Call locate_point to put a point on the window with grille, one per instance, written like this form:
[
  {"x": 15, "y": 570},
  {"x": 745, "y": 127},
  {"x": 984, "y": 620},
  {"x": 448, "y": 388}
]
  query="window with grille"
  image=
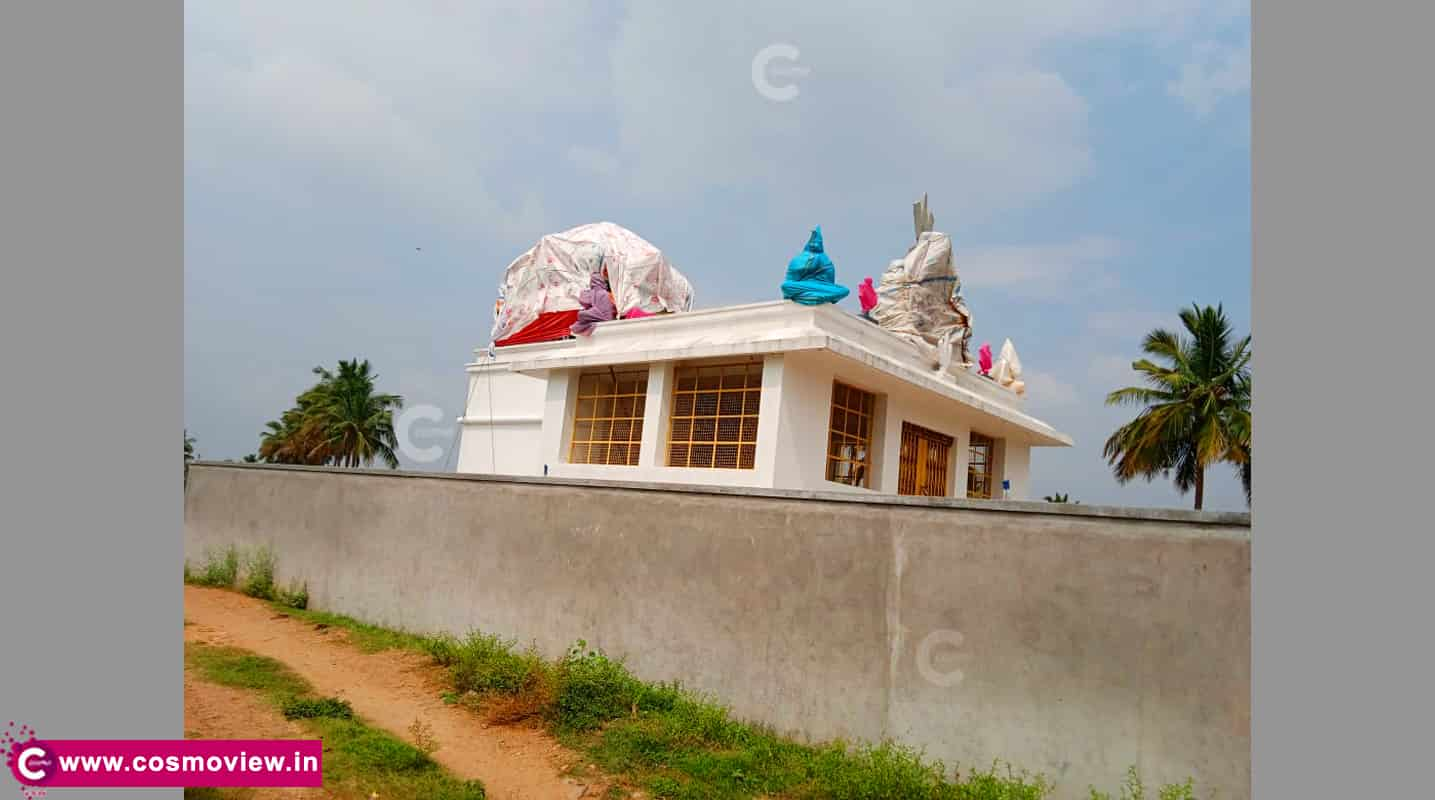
[
  {"x": 922, "y": 462},
  {"x": 849, "y": 436},
  {"x": 979, "y": 467},
  {"x": 714, "y": 419},
  {"x": 608, "y": 418}
]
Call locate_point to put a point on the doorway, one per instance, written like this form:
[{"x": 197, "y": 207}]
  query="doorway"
[{"x": 924, "y": 458}]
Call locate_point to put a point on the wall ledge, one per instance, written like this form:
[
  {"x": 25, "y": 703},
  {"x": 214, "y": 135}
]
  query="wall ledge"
[{"x": 1237, "y": 519}]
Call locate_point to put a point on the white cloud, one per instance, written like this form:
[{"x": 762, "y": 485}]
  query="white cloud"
[
  {"x": 1046, "y": 272},
  {"x": 1215, "y": 73}
]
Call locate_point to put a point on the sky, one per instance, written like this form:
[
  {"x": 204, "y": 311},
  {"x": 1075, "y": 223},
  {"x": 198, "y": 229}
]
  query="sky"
[{"x": 358, "y": 175}]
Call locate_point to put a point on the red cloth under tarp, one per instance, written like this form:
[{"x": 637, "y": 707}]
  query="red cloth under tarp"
[{"x": 549, "y": 326}]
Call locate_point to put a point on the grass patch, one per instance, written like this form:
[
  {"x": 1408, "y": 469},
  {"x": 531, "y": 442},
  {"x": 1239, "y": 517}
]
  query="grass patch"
[
  {"x": 241, "y": 669},
  {"x": 359, "y": 760},
  {"x": 366, "y": 637},
  {"x": 316, "y": 708}
]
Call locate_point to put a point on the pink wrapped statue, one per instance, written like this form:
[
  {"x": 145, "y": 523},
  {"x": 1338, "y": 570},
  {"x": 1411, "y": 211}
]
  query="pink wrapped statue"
[
  {"x": 984, "y": 358},
  {"x": 867, "y": 295}
]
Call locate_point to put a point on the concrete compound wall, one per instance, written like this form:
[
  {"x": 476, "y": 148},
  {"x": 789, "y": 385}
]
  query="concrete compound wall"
[{"x": 1072, "y": 641}]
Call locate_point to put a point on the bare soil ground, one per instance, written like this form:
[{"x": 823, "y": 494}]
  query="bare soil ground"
[{"x": 390, "y": 689}]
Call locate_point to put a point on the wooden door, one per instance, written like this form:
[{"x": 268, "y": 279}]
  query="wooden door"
[{"x": 925, "y": 454}]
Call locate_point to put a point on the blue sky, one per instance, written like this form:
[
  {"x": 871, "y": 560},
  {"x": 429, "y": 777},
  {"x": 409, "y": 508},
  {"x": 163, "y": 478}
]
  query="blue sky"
[{"x": 1090, "y": 158}]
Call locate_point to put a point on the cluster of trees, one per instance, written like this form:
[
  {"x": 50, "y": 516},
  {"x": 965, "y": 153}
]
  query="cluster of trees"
[
  {"x": 342, "y": 420},
  {"x": 1197, "y": 406}
]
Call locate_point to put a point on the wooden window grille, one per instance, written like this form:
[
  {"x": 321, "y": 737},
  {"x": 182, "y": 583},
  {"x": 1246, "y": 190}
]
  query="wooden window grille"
[
  {"x": 922, "y": 468},
  {"x": 608, "y": 419},
  {"x": 979, "y": 467},
  {"x": 714, "y": 419},
  {"x": 849, "y": 436}
]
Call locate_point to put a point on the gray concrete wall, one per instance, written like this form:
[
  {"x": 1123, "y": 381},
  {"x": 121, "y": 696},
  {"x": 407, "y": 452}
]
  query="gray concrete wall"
[{"x": 1073, "y": 641}]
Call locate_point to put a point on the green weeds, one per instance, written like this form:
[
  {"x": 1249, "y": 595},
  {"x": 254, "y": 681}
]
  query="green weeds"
[
  {"x": 368, "y": 638},
  {"x": 220, "y": 569},
  {"x": 662, "y": 737},
  {"x": 1133, "y": 788},
  {"x": 316, "y": 708},
  {"x": 252, "y": 573},
  {"x": 359, "y": 760}
]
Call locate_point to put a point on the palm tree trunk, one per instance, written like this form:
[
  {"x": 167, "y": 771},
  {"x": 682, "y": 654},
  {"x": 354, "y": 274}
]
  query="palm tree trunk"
[{"x": 1200, "y": 486}]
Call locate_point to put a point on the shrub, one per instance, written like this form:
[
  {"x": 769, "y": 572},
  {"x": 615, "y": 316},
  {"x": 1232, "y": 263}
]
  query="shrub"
[
  {"x": 259, "y": 573},
  {"x": 295, "y": 596},
  {"x": 593, "y": 688},
  {"x": 513, "y": 685},
  {"x": 317, "y": 707},
  {"x": 485, "y": 663},
  {"x": 221, "y": 568}
]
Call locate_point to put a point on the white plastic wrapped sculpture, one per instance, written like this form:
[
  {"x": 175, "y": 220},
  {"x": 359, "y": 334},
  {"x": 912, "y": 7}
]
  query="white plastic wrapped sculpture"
[
  {"x": 919, "y": 297},
  {"x": 552, "y": 274},
  {"x": 1007, "y": 371}
]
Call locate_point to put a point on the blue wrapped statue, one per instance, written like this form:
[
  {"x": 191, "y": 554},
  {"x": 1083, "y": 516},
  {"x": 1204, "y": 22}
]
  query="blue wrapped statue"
[{"x": 811, "y": 278}]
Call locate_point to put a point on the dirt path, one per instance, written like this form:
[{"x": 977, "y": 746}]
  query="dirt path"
[
  {"x": 391, "y": 690},
  {"x": 221, "y": 712}
]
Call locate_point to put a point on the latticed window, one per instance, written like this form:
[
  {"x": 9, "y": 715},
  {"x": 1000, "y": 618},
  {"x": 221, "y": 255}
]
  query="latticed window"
[
  {"x": 849, "y": 436},
  {"x": 714, "y": 420},
  {"x": 922, "y": 462},
  {"x": 979, "y": 467},
  {"x": 608, "y": 419}
]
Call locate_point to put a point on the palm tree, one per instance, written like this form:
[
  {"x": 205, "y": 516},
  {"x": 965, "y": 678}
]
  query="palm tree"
[
  {"x": 340, "y": 420},
  {"x": 357, "y": 424},
  {"x": 1197, "y": 406},
  {"x": 1060, "y": 498},
  {"x": 295, "y": 438}
]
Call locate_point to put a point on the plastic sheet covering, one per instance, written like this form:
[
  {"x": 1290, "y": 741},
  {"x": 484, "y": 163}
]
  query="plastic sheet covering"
[
  {"x": 1007, "y": 371},
  {"x": 550, "y": 276},
  {"x": 919, "y": 300},
  {"x": 811, "y": 276},
  {"x": 550, "y": 325}
]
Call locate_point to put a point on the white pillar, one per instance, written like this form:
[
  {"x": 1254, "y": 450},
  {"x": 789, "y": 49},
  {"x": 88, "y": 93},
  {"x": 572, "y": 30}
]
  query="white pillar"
[
  {"x": 559, "y": 401},
  {"x": 769, "y": 417},
  {"x": 653, "y": 450},
  {"x": 1016, "y": 467}
]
